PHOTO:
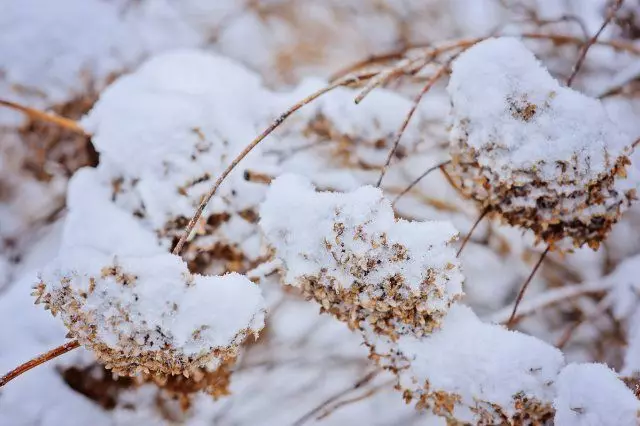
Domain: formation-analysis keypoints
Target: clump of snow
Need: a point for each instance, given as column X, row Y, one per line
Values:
column 469, row 371
column 349, row 253
column 149, row 314
column 543, row 156
column 165, row 133
column 592, row 394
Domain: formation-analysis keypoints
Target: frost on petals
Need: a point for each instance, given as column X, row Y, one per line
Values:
column 474, row 373
column 149, row 315
column 542, row 156
column 349, row 253
column 593, row 395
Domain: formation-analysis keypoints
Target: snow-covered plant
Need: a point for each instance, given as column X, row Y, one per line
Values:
column 347, row 252
column 140, row 309
column 542, row 156
column 149, row 315
column 474, row 373
column 179, row 133
column 591, row 395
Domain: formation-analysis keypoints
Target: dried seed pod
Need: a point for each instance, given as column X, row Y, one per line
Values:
column 348, row 253
column 149, row 315
column 541, row 156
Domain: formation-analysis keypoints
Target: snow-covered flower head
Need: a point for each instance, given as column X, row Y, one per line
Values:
column 149, row 315
column 349, row 253
column 542, row 156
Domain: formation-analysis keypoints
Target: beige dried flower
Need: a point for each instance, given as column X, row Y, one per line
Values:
column 348, row 253
column 541, row 156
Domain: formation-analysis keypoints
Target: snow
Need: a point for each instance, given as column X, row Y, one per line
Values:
column 303, row 226
column 519, row 118
column 479, row 362
column 165, row 129
column 592, row 394
column 145, row 304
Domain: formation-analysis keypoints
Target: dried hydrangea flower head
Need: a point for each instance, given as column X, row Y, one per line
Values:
column 163, row 140
column 541, row 156
column 349, row 253
column 148, row 315
column 470, row 372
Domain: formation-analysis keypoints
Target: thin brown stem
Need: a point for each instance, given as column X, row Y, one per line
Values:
column 45, row 116
column 524, row 287
column 354, row 399
column 276, row 123
column 41, row 359
column 363, row 381
column 416, row 101
column 419, row 178
column 583, row 52
column 473, row 228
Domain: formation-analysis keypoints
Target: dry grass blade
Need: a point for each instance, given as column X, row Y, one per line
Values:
column 41, row 359
column 583, row 52
column 45, row 116
column 351, row 79
column 416, row 101
column 419, row 178
column 524, row 287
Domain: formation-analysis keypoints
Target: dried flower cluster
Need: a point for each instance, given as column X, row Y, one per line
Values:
column 541, row 156
column 349, row 254
column 146, row 315
column 180, row 136
column 474, row 373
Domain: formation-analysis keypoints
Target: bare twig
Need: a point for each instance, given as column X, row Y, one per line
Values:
column 348, row 401
column 524, row 287
column 363, row 381
column 419, row 178
column 549, row 299
column 45, row 116
column 583, row 52
column 416, row 101
column 473, row 228
column 600, row 308
column 277, row 122
column 41, row 359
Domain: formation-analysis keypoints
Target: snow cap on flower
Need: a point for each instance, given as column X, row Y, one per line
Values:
column 149, row 315
column 542, row 156
column 349, row 253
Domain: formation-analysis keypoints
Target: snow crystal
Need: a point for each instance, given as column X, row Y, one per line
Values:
column 592, row 395
column 349, row 246
column 546, row 157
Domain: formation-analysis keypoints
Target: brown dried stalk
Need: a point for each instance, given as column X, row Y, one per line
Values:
column 524, row 287
column 416, row 101
column 363, row 381
column 473, row 228
column 40, row 359
column 35, row 114
column 583, row 52
column 419, row 178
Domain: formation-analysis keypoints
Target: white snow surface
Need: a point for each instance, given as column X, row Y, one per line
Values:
column 494, row 82
column 479, row 362
column 195, row 314
column 592, row 395
column 299, row 222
